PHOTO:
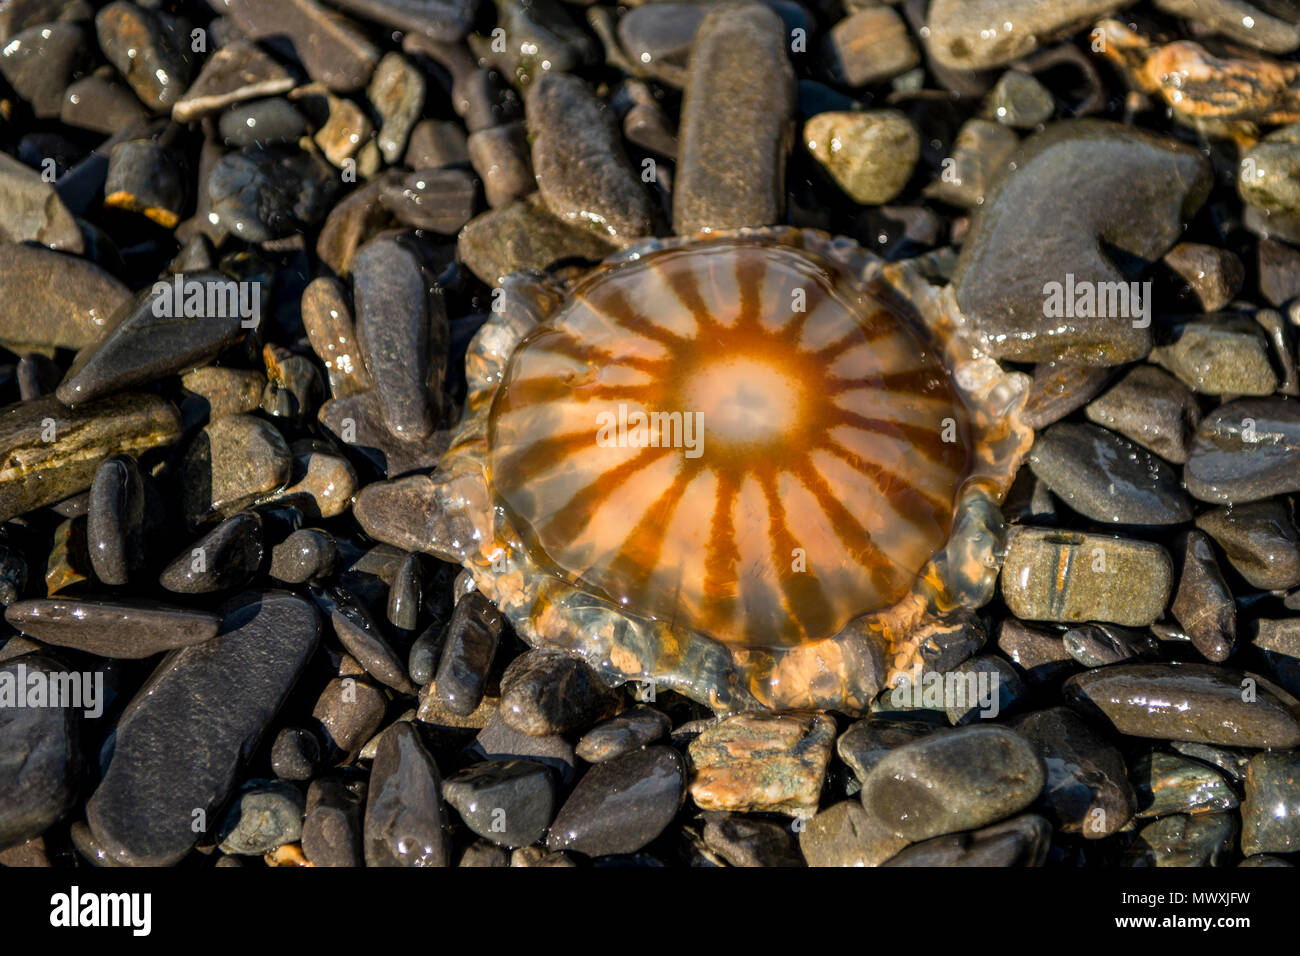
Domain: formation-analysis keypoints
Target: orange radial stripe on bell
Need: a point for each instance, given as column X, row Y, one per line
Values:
column 737, row 438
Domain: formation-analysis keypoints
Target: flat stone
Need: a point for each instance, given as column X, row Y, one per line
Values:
column 392, row 315
column 736, row 123
column 510, row 803
column 583, row 174
column 953, row 780
column 218, row 392
column 40, row 471
column 1050, row 575
column 1195, row 702
column 180, row 742
column 870, row 46
column 357, row 421
column 524, row 235
column 1238, row 20
column 40, row 757
column 232, row 74
column 331, row 50
column 1246, row 450
column 620, row 805
column 124, row 630
column 1220, row 356
column 295, row 754
column 1260, row 541
column 1108, row 478
column 405, row 823
column 1030, row 233
column 34, row 211
column 1152, row 408
column 761, row 763
column 979, row 34
column 542, row 38
column 149, row 341
column 357, row 630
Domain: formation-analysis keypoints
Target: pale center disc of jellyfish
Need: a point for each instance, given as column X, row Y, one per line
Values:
column 744, row 401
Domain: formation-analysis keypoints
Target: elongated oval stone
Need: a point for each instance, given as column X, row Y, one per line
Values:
column 184, row 737
column 49, row 452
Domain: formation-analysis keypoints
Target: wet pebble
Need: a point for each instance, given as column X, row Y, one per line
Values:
column 126, row 630
column 226, row 557
column 405, row 821
column 264, row 814
column 115, row 520
column 952, row 780
column 551, row 692
column 762, row 763
column 1270, row 810
column 233, row 74
column 844, row 834
column 232, row 463
column 744, row 841
column 1087, row 790
column 630, row 730
column 869, row 154
column 738, row 102
column 150, row 48
column 1181, row 841
column 620, row 805
column 1022, row 841
column 1246, row 450
column 1195, row 702
column 510, row 803
column 39, row 753
column 1108, row 478
column 1220, row 356
column 1150, row 407
column 1260, row 540
column 471, row 644
column 1115, row 580
column 1167, row 784
column 870, row 46
column 176, row 743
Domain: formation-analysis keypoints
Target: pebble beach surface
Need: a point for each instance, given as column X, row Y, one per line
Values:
column 246, row 244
